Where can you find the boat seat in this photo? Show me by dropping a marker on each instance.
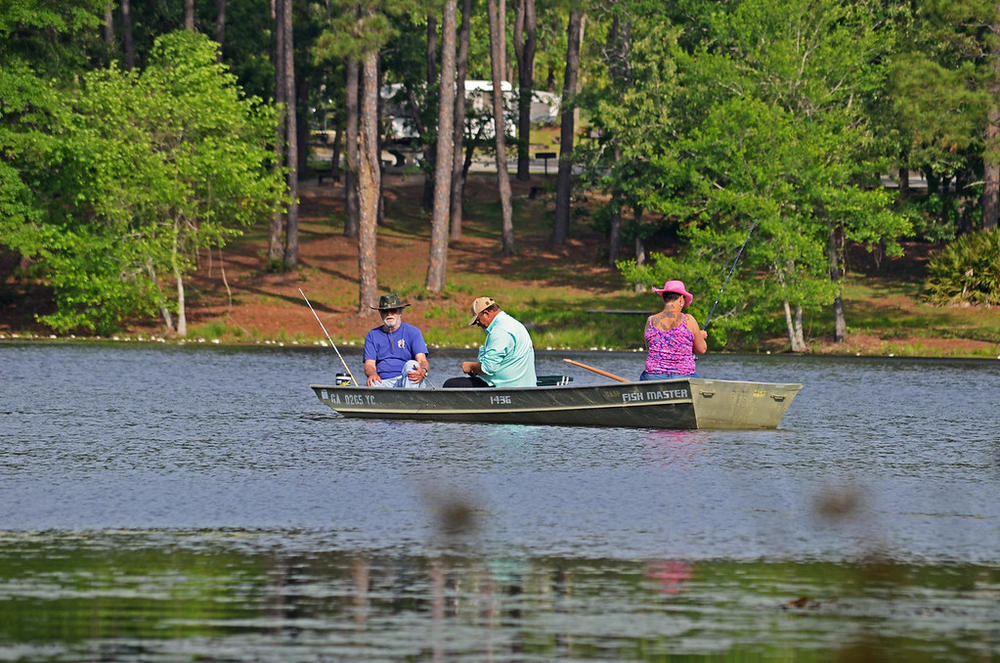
(553, 380)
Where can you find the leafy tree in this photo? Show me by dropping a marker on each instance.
(770, 131)
(43, 45)
(156, 165)
(946, 94)
(633, 88)
(58, 38)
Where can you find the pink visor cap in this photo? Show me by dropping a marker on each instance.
(678, 287)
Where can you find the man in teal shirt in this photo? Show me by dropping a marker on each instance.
(506, 359)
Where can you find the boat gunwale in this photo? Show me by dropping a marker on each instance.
(563, 387)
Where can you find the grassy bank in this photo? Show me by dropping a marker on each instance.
(554, 291)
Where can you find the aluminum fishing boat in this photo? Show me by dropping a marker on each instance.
(681, 403)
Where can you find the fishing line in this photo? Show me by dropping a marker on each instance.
(349, 374)
(731, 269)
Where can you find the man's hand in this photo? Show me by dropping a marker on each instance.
(373, 379)
(417, 375)
(471, 367)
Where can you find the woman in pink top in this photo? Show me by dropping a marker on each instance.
(672, 337)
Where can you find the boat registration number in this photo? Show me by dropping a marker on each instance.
(352, 399)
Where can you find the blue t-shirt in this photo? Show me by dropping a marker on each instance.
(391, 350)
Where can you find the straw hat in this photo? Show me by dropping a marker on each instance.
(480, 304)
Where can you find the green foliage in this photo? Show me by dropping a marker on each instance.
(57, 37)
(735, 320)
(42, 44)
(631, 105)
(95, 282)
(763, 128)
(966, 271)
(151, 167)
(354, 29)
(942, 92)
(217, 330)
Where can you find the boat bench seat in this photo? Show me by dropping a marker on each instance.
(553, 380)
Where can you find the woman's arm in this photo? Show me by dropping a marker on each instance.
(700, 345)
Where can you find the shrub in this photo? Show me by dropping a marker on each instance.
(966, 270)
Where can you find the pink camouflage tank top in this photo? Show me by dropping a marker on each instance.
(669, 351)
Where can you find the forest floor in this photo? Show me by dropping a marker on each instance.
(232, 299)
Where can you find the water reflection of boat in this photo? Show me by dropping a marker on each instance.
(682, 403)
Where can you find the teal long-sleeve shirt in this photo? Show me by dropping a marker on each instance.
(507, 357)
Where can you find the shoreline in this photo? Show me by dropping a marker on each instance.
(18, 338)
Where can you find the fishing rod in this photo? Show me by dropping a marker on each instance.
(349, 374)
(752, 226)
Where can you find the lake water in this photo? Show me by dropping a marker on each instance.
(165, 503)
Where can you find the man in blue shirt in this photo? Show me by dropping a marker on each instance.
(395, 353)
(506, 359)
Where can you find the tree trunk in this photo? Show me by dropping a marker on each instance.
(275, 245)
(292, 136)
(800, 340)
(640, 259)
(991, 167)
(839, 321)
(220, 26)
(615, 233)
(109, 25)
(127, 45)
(525, 41)
(444, 155)
(351, 147)
(497, 13)
(369, 184)
(430, 155)
(168, 319)
(189, 15)
(380, 139)
(336, 150)
(181, 314)
(179, 279)
(836, 274)
(793, 321)
(574, 33)
(458, 128)
(991, 170)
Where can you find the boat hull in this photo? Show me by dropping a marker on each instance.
(682, 403)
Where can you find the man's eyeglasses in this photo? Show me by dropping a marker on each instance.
(391, 311)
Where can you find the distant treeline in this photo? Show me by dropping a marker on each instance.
(136, 134)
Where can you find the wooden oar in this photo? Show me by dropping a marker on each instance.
(597, 370)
